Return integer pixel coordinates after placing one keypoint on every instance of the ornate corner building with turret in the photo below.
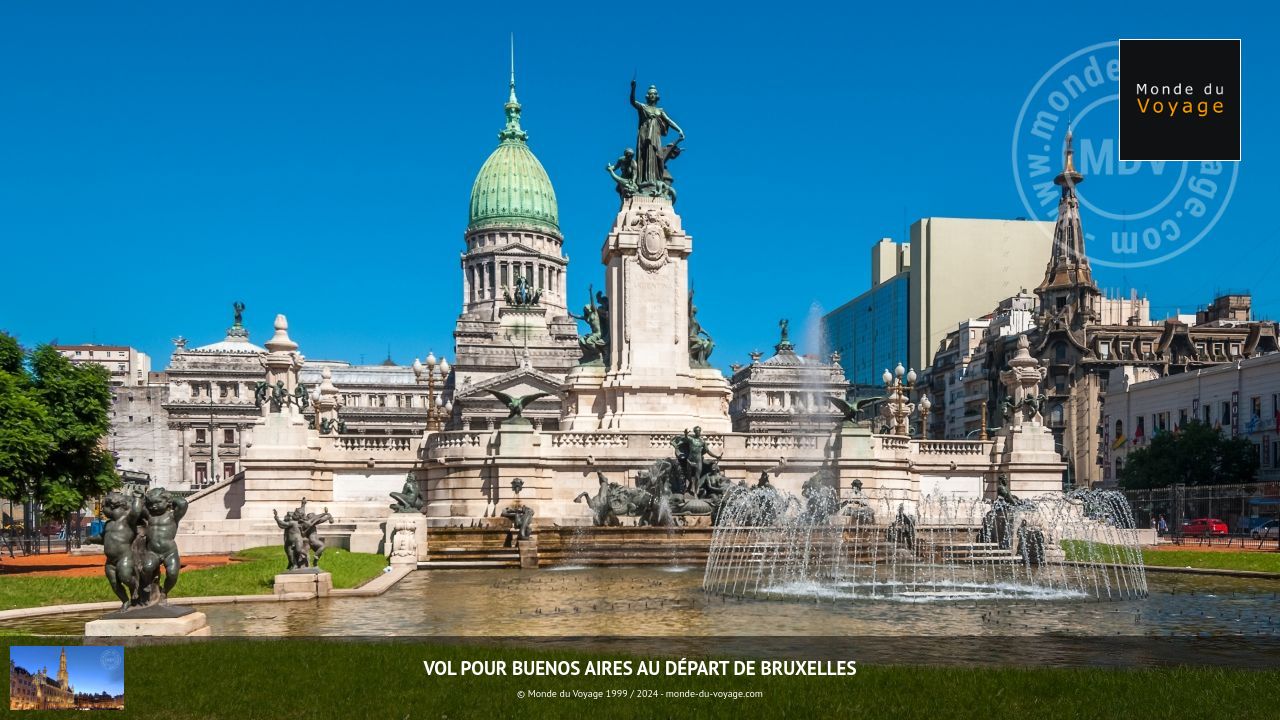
(514, 333)
(1080, 337)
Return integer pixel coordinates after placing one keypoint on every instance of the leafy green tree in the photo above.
(1196, 455)
(53, 418)
(78, 401)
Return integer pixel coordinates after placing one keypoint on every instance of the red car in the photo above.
(1204, 526)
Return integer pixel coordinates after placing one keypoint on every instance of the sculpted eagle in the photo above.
(516, 405)
(850, 412)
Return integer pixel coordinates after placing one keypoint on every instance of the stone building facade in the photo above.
(128, 366)
(787, 393)
(39, 690)
(1081, 336)
(514, 333)
(1241, 398)
(188, 426)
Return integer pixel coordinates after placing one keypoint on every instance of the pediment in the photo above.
(516, 383)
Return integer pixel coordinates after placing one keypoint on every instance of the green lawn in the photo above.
(297, 679)
(250, 576)
(1256, 561)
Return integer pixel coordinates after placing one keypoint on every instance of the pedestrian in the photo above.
(1162, 527)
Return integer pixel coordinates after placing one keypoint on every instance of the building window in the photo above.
(228, 469)
(228, 436)
(201, 437)
(202, 473)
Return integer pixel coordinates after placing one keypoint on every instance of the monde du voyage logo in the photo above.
(1157, 178)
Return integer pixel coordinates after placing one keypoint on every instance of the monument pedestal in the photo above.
(312, 581)
(369, 537)
(157, 621)
(649, 383)
(528, 553)
(1032, 461)
(406, 538)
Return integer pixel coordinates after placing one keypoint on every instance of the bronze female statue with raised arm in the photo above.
(649, 172)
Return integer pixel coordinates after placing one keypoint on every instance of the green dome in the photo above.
(512, 190)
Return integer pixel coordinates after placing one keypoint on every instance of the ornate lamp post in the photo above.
(433, 371)
(897, 408)
(925, 405)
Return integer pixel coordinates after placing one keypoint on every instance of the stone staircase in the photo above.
(464, 548)
(599, 546)
(469, 548)
(591, 546)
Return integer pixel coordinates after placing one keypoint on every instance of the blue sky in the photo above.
(161, 160)
(90, 669)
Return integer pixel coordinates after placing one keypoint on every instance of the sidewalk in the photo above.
(63, 564)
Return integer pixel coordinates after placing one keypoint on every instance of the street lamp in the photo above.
(433, 370)
(925, 405)
(898, 393)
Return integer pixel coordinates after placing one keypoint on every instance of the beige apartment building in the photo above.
(961, 268)
(127, 365)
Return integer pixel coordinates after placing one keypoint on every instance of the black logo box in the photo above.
(1186, 68)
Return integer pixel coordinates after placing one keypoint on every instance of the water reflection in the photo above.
(646, 602)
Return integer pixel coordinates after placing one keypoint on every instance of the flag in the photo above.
(1254, 422)
(1119, 443)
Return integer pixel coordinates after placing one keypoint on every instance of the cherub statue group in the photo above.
(280, 395)
(139, 540)
(302, 547)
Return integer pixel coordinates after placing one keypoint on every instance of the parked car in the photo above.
(1266, 530)
(1204, 526)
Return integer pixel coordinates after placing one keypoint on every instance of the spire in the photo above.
(1068, 266)
(513, 132)
(63, 680)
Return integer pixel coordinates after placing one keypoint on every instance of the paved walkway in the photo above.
(63, 564)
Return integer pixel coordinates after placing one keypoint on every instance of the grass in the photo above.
(251, 575)
(1217, 560)
(304, 678)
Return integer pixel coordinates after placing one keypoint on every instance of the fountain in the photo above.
(938, 546)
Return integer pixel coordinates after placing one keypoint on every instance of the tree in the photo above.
(78, 401)
(1195, 455)
(53, 417)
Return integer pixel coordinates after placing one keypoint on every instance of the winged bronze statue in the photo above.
(516, 405)
(850, 411)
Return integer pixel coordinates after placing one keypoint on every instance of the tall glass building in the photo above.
(870, 331)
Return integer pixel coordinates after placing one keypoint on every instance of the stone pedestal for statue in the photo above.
(528, 553)
(406, 538)
(1031, 460)
(648, 384)
(312, 581)
(155, 621)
